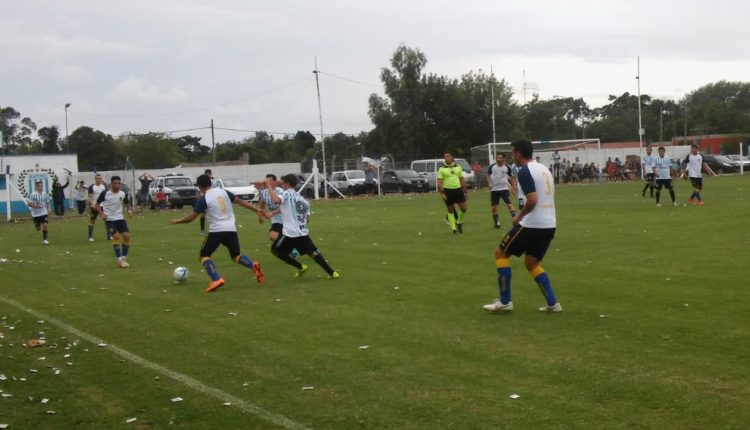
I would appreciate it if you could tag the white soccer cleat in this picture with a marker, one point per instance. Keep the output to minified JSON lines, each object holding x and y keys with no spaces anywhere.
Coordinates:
{"x":658,"y":205}
{"x":45,"y":242}
{"x":556,"y":308}
{"x":91,"y":239}
{"x":674,"y":203}
{"x":497,"y":306}
{"x":122,"y":263}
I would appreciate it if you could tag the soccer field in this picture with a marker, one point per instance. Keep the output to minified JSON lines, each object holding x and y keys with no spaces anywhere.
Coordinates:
{"x":655,"y":332}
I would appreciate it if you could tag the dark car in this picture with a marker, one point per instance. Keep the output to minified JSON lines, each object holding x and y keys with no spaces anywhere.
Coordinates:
{"x":721,"y":164}
{"x":403,"y":181}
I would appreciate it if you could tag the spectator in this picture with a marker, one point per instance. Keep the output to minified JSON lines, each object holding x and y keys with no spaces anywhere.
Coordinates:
{"x":477,"y":169}
{"x":145,"y":180}
{"x":58,"y":196}
{"x":161,"y":199}
{"x":369,"y":179}
{"x":81,"y":193}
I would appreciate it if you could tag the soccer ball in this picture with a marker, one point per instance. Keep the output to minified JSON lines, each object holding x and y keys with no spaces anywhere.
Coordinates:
{"x":181,"y":274}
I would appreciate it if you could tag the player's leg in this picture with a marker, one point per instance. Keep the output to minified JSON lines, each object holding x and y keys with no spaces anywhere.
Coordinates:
{"x":210,"y":243}
{"x":281,"y":249}
{"x":646,"y":187}
{"x":308,"y":247}
{"x":43,"y":224}
{"x":537,"y":246}
{"x":505,"y":195}
{"x":92,"y":219}
{"x":494,"y":201}
{"x":449,"y":203}
{"x":115,"y":235}
{"x":232,"y":242}
{"x":511,"y":245}
{"x":125,"y":233}
{"x":671,"y":191}
{"x":659,"y":184}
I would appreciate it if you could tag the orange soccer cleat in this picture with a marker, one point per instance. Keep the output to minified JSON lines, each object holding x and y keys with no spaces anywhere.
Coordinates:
{"x":214,"y":285}
{"x":259,"y":276}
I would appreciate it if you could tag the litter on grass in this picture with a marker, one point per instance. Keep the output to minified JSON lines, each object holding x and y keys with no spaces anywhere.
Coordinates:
{"x":176,"y":399}
{"x":514,"y":396}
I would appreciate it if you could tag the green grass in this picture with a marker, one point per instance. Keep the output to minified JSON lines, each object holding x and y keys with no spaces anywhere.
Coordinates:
{"x":672,"y":353}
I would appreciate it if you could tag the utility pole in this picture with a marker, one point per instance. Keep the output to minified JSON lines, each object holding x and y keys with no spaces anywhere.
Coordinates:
{"x":213,"y":143}
{"x":492,"y":95}
{"x":322,"y":136}
{"x":640,"y":124}
{"x":67,"y":140}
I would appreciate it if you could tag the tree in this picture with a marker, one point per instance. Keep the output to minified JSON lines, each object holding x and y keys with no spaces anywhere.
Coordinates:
{"x":50,"y":136}
{"x":148,"y":151}
{"x":95,"y":149}
{"x":721,"y":107}
{"x":191,"y":150}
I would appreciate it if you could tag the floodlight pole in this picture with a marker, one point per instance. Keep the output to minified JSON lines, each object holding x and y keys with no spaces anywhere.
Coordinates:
{"x":67,"y":137}
{"x":320,"y":118}
{"x":492,"y":97}
{"x":640,"y":125}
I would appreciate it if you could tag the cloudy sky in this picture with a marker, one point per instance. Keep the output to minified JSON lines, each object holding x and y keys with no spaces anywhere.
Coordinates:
{"x":147,"y":65}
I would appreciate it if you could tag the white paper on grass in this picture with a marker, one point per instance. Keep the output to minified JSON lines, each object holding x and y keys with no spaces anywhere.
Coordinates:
{"x":131,"y":420}
{"x":514,"y":396}
{"x":176,"y":399}
{"x":308,"y":388}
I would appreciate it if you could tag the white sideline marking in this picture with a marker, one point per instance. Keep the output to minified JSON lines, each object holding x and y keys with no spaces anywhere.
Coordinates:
{"x":193,"y":383}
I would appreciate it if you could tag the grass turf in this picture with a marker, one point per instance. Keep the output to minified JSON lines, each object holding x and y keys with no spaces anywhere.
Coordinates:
{"x":654,"y":333}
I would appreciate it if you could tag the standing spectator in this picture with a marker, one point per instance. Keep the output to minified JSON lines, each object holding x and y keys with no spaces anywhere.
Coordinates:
{"x":38,"y":202}
{"x":58,"y":196}
{"x":161,"y":199}
{"x":555,"y":164}
{"x":109,"y":205}
{"x":80,"y":192}
{"x":477,"y":169}
{"x":145,"y":180}
{"x":369,"y":179}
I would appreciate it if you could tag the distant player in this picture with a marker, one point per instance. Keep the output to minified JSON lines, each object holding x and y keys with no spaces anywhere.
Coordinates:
{"x":663,"y":174}
{"x":648,"y":170}
{"x":38,"y":203}
{"x":208,"y":173}
{"x":217,"y":205}
{"x":532,"y":232}
{"x":95,"y":190}
{"x":500,"y":179}
{"x":452,"y":187}
{"x":514,"y":168}
{"x":109,"y":204}
{"x":273,"y":211}
{"x":693,"y":166}
{"x":295,"y":214}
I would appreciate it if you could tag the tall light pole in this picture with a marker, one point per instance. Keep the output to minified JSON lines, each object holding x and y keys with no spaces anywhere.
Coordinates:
{"x":67,"y":137}
{"x":641,"y":131}
{"x":322,"y":136}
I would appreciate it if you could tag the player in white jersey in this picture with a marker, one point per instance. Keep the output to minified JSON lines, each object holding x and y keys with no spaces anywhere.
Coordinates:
{"x":95,"y":190}
{"x":38,"y":203}
{"x":693,"y":166}
{"x":273,"y":211}
{"x":532,"y":232}
{"x":663,"y":174}
{"x":295,"y":214}
{"x":500,"y":179}
{"x":109,"y":205}
{"x":217,"y":205}
{"x":648,"y":170}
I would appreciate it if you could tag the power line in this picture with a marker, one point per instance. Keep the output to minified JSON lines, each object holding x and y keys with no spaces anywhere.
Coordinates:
{"x":354,"y":81}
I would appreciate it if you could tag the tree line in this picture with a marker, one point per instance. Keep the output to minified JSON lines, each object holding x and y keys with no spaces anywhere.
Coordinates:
{"x":420,"y":115}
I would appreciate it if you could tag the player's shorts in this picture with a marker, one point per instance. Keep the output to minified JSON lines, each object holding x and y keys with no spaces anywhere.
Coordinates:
{"x":119,"y":226}
{"x":666,"y":183}
{"x":495,"y":197}
{"x":93,"y":213}
{"x":530,"y":241}
{"x":277,"y":227}
{"x":697,"y":183}
{"x":284,"y":245}
{"x":453,"y":196}
{"x":39,"y":220}
{"x":216,"y":238}
{"x":650,"y":177}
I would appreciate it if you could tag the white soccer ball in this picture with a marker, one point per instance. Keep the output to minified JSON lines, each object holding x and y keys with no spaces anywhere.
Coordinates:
{"x":181,"y":274}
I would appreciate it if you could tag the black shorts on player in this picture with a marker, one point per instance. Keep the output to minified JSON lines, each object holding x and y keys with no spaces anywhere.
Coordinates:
{"x":666,"y":183}
{"x":39,"y":220}
{"x":530,"y":241}
{"x":454,"y":196}
{"x":226,"y":238}
{"x":277,"y":227}
{"x":119,"y":226}
{"x":650,"y":177}
{"x":285,"y":245}
{"x":495,"y":197}
{"x":697,"y":183}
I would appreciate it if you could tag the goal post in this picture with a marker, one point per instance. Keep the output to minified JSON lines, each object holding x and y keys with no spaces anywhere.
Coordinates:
{"x":587,"y":150}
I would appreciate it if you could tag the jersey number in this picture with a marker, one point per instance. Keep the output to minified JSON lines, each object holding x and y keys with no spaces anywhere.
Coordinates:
{"x":547,"y":184}
{"x":222,"y":204}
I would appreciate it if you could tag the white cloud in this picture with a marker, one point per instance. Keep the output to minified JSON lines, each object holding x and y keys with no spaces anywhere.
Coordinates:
{"x":73,"y":73}
{"x":141,"y":90}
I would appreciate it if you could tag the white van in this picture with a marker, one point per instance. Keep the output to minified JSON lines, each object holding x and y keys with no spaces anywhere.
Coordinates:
{"x":428,"y":170}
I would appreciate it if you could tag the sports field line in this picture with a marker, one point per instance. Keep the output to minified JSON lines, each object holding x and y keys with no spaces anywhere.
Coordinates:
{"x":193,"y":383}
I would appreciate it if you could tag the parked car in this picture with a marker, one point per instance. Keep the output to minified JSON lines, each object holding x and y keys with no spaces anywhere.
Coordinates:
{"x":403,"y":181}
{"x":179,"y":189}
{"x":721,"y":164}
{"x":742,"y":160}
{"x":428,"y":170}
{"x":351,"y":182}
{"x":239,"y":187}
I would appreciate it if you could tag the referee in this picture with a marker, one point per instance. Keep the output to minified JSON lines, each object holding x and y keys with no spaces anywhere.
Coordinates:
{"x":452,"y":188}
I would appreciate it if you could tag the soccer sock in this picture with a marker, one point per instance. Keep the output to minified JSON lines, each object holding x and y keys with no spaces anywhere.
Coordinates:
{"x":324,"y":264}
{"x":245,"y":261}
{"x":455,"y":215}
{"x":658,"y":195}
{"x":290,"y":261}
{"x":671,"y":194}
{"x":513,"y":213}
{"x":44,"y":234}
{"x":644,"y":190}
{"x":461,"y":215}
{"x":125,"y":248}
{"x":203,"y":223}
{"x":452,"y":221}
{"x":208,"y":264}
{"x":503,"y":279}
{"x":91,"y":231}
{"x":494,"y":218}
{"x":117,"y":250}
{"x":698,"y":196}
{"x":545,"y":286}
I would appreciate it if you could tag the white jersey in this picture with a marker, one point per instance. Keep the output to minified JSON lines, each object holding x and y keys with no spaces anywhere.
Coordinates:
{"x":519,"y":192}
{"x":111,"y":204}
{"x":694,"y":165}
{"x":95,"y":191}
{"x":535,"y":178}
{"x":217,"y":205}
{"x":662,"y":164}
{"x":499,"y":176}
{"x":649,"y":161}
{"x":265,"y":197}
{"x":39,"y":199}
{"x":294,"y":212}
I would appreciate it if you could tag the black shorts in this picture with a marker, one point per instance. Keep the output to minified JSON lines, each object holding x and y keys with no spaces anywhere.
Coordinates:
{"x":495,"y":197}
{"x":284,"y":245}
{"x":453,"y":196}
{"x":119,"y":226}
{"x":277,"y":227}
{"x":39,"y":220}
{"x":226,"y":238}
{"x":530,"y":241}
{"x":666,"y":183}
{"x":650,"y":177}
{"x":697,"y":183}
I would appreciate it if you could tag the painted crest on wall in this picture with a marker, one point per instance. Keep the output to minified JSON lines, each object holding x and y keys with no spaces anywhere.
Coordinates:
{"x":28,"y":177}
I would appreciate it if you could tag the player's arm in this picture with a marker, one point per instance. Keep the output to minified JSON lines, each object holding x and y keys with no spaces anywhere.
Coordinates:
{"x":489,"y":179}
{"x":90,"y":196}
{"x":248,"y":205}
{"x":708,"y":170}
{"x":128,"y":204}
{"x":463,"y":184}
{"x":529,"y":190}
{"x":272,"y":193}
{"x":98,"y":206}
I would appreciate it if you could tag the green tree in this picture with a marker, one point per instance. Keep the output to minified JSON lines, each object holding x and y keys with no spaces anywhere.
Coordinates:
{"x":720,"y":107}
{"x":149,"y":151}
{"x":95,"y":149}
{"x":191,"y":150}
{"x":50,"y":136}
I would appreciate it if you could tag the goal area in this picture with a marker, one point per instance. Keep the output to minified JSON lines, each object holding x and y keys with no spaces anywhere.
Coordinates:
{"x":586,"y":150}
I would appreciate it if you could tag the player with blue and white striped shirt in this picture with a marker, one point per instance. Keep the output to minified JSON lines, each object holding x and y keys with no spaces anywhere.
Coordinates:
{"x":648,"y":170}
{"x":38,"y":203}
{"x":663,"y":172}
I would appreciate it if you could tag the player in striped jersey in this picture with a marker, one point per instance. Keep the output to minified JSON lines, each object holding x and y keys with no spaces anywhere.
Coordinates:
{"x":693,"y":166}
{"x":648,"y":170}
{"x":663,"y":174}
{"x":38,"y":203}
